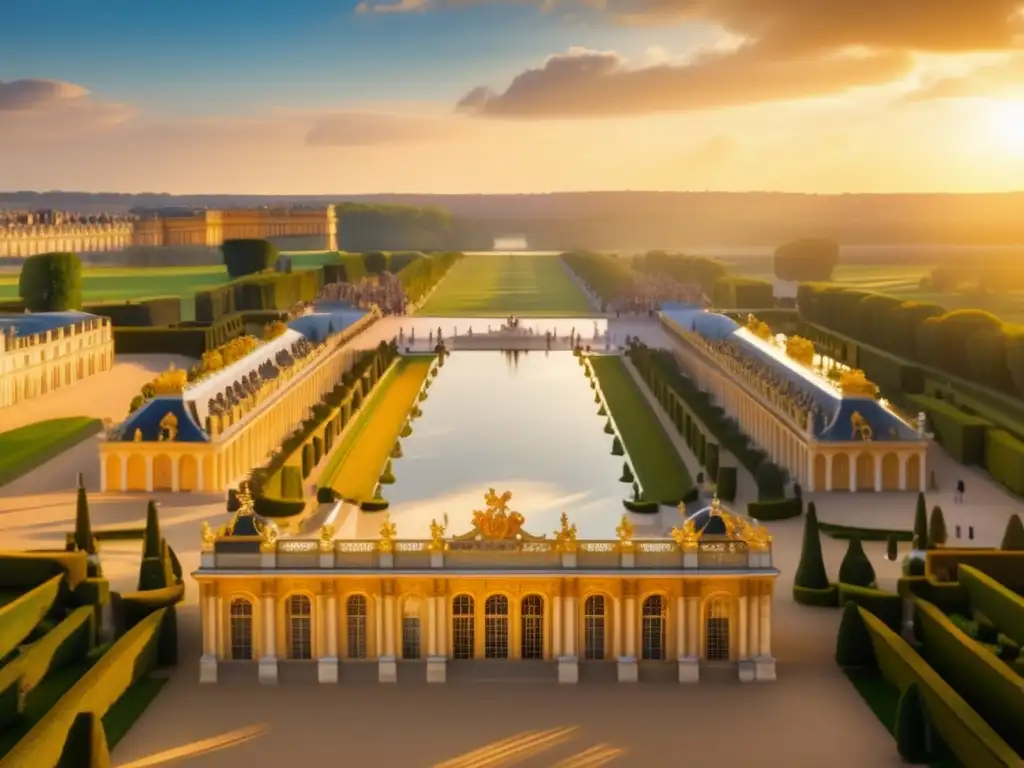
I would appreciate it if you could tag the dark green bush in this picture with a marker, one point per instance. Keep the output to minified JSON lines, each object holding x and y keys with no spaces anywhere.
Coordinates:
{"x":51,"y":282}
{"x":853,"y":643}
{"x":779,"y":509}
{"x":771,"y":482}
{"x":248,"y":256}
{"x":308,"y":459}
{"x":817,"y":598}
{"x":912,"y":727}
{"x":726,"y":483}
{"x":856,"y":568}
{"x":291,"y":482}
{"x":641,"y":507}
{"x":810,"y":572}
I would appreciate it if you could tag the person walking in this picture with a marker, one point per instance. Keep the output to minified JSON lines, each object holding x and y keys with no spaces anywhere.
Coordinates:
{"x":958,"y":497}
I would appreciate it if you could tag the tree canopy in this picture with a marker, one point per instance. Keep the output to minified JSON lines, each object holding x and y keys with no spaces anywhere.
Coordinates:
{"x":807,"y":259}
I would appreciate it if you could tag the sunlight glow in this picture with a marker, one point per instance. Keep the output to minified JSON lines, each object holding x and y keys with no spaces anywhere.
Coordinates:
{"x":1006,"y":119}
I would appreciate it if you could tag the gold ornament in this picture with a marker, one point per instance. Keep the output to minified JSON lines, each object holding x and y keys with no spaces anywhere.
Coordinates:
{"x":268,"y":537}
{"x":565,"y":537}
{"x":861,"y":430}
{"x":437,"y":542}
{"x":168,"y":426}
{"x":325,"y":539}
{"x":387,"y":535}
{"x":625,"y":533}
{"x":498,"y":521}
{"x":209,"y":537}
{"x":855,"y":384}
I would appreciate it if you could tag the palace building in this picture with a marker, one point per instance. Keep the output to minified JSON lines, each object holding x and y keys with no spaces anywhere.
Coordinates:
{"x":45,"y":351}
{"x":412,"y":609}
{"x":826,"y":427}
{"x":206,"y":434}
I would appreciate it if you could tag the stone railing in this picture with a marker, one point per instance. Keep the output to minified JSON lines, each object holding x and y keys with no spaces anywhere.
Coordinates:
{"x":244,"y":553}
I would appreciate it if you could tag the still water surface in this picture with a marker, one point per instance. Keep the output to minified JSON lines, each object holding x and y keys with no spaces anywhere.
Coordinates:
{"x":526,"y":424}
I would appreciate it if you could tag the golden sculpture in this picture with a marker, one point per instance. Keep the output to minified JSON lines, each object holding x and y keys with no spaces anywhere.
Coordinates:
{"x":437,"y":542}
{"x":244,"y":496}
{"x":209,"y":537}
{"x":268,"y":537}
{"x":170,"y":382}
{"x":565,"y":537}
{"x":625,"y":533}
{"x":855,"y":384}
{"x":137,"y":436}
{"x":860,"y":428}
{"x":272,"y":330}
{"x":169,"y":427}
{"x":801,"y":350}
{"x":387,"y":535}
{"x":498,"y":521}
{"x":325,"y":538}
{"x":758,"y":328}
{"x":687,"y":537}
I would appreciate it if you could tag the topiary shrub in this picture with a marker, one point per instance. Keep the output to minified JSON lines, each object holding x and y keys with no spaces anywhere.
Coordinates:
{"x":601,"y":411}
{"x":817,"y":598}
{"x":853,"y":643}
{"x":84,"y":540}
{"x":387,"y":477}
{"x":920,"y":524}
{"x":318,"y":450}
{"x":152,"y":541}
{"x":396,"y":451}
{"x":627,"y":474}
{"x":1013,"y":536}
{"x":406,"y":430}
{"x":415,"y":413}
{"x":377,"y":504}
{"x":86,"y":743}
{"x":617,"y":447}
{"x":771,"y":482}
{"x":892,"y":548}
{"x":912,"y":729}
{"x":597,"y":397}
{"x":248,"y":256}
{"x":51,"y":282}
{"x":608,"y":428}
{"x":325,"y":495}
{"x":726,"y":483}
{"x":856,"y":568}
{"x":308,"y":459}
{"x":291,"y":482}
{"x":641,"y":506}
{"x":811,"y":572}
{"x":937,"y":534}
{"x":153,"y":574}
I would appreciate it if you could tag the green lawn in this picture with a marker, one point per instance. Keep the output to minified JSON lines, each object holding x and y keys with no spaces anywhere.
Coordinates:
{"x":25,"y":448}
{"x":505,"y":284}
{"x":655,"y":460}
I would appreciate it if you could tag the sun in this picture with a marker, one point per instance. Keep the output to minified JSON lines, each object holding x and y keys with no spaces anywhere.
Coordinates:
{"x":1007,"y":121}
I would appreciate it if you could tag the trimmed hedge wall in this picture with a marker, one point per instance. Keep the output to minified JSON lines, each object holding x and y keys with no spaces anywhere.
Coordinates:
{"x":973,"y":741}
{"x":887,"y":606}
{"x":1002,"y":606}
{"x":817,"y":598}
{"x":20,"y":617}
{"x":27,"y":570}
{"x":726,"y":485}
{"x":777,"y":509}
{"x":264,"y":291}
{"x":734,"y":292}
{"x":159,"y":311}
{"x":987,"y":684}
{"x":1004,"y":459}
{"x":189,"y":339}
{"x":961,"y":434}
{"x":127,"y":661}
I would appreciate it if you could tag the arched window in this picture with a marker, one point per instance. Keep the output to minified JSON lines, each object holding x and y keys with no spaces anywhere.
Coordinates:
{"x":496,"y":627}
{"x":463,"y":627}
{"x":653,"y":629}
{"x":411,"y":628}
{"x":532,"y":609}
{"x":593,"y":628}
{"x":355,"y":618}
{"x":300,"y":627}
{"x":716,"y":628}
{"x":241,"y":629}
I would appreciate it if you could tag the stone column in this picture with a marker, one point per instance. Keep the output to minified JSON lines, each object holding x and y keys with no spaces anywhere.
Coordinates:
{"x":124,"y":472}
{"x":209,"y":617}
{"x":747,"y":669}
{"x":828,"y":472}
{"x":903,"y":472}
{"x":200,"y":480}
{"x":628,"y":669}
{"x":268,"y":661}
{"x":765,"y":662}
{"x":175,"y":477}
{"x":557,"y":634}
{"x":687,"y":657}
{"x":103,"y":470}
{"x":437,"y":659}
{"x":878,"y":473}
{"x":149,"y":473}
{"x":922,"y":482}
{"x":327,"y":664}
{"x":853,"y":474}
{"x":568,"y":664}
{"x":387,"y":665}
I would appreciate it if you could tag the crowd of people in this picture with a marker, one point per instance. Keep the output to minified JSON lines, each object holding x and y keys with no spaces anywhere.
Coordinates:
{"x":383,"y":291}
{"x":650,"y":291}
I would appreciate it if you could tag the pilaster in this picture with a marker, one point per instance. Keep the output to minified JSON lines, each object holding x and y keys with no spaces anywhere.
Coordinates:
{"x":327,"y":664}
{"x":268,"y":623}
{"x":628,"y":669}
{"x":209,"y":617}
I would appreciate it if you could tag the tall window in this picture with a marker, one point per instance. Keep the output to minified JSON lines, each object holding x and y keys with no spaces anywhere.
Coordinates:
{"x":300,"y":627}
{"x":463,"y":627}
{"x":593,"y":628}
{"x":411,"y":629}
{"x":532,"y":609}
{"x":496,"y":627}
{"x":355,"y":618}
{"x":241,"y":629}
{"x":653,"y":629}
{"x":716,"y":629}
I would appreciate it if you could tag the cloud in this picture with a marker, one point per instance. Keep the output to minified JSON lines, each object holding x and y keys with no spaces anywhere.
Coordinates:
{"x":585,"y":83}
{"x":33,"y":94}
{"x":361,"y":129}
{"x":989,"y":80}
{"x":398,"y":6}
{"x":40,"y":110}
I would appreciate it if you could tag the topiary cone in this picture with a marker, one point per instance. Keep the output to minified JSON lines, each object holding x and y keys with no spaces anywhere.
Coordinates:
{"x":627,"y":474}
{"x":892,"y":548}
{"x":921,"y":523}
{"x":937,"y":534}
{"x":601,"y":411}
{"x":912,"y":727}
{"x":396,"y":451}
{"x":617,"y":447}
{"x":1013,"y":536}
{"x":853,"y":643}
{"x":608,"y":428}
{"x":151,"y":538}
{"x":856,"y":568}
{"x":84,"y":540}
{"x":811,"y":572}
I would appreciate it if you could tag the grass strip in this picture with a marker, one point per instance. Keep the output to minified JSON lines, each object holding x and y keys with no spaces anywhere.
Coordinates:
{"x":25,"y":448}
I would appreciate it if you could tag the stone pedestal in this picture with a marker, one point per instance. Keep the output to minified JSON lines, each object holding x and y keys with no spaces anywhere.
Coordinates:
{"x":327,"y":670}
{"x":387,"y":669}
{"x":747,"y":670}
{"x":208,"y":669}
{"x":628,"y":670}
{"x":437,"y":669}
{"x":764,"y":669}
{"x":268,"y":670}
{"x":436,"y":560}
{"x":689,"y":669}
{"x":568,"y":670}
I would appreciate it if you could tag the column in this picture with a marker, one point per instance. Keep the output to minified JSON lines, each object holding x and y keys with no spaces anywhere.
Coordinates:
{"x":200,"y":481}
{"x":922,"y":481}
{"x":753,"y":621}
{"x":828,"y":472}
{"x":680,"y":626}
{"x":617,"y":646}
{"x":556,"y":625}
{"x":437,"y":653}
{"x":741,"y":629}
{"x":208,"y":617}
{"x":387,"y":665}
{"x":568,"y":665}
{"x":431,"y":627}
{"x":149,"y":473}
{"x":903,"y":472}
{"x":853,"y":474}
{"x":175,"y":463}
{"x":628,"y":671}
{"x":878,"y":473}
{"x":327,"y":664}
{"x":268,"y":662}
{"x":810,"y":472}
{"x":693,"y":626}
{"x":103,"y":472}
{"x":765,"y":664}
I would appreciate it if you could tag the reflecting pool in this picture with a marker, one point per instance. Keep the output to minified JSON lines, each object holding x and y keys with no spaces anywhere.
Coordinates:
{"x":524,"y":422}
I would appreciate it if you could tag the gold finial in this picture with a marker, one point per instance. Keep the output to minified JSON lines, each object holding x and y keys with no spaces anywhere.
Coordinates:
{"x":209,"y":537}
{"x":758,"y":327}
{"x":137,"y":437}
{"x":169,"y":426}
{"x":245,"y":502}
{"x":171,"y":382}
{"x":387,"y":535}
{"x":437,"y":542}
{"x":565,"y":537}
{"x":325,"y":539}
{"x":268,"y":537}
{"x":498,"y":521}
{"x":625,"y":533}
{"x":855,"y":384}
{"x":758,"y":538}
{"x":716,"y":505}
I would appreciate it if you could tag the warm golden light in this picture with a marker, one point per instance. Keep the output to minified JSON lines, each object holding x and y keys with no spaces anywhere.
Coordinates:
{"x":1007,"y":121}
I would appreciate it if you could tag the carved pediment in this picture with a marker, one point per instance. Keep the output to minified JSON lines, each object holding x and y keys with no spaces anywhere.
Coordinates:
{"x":497,"y":523}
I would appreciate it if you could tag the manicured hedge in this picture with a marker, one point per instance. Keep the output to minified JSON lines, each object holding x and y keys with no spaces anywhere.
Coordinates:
{"x":1002,"y":606}
{"x":20,"y":617}
{"x":248,"y":256}
{"x":817,"y":598}
{"x":422,"y":273}
{"x":27,"y":570}
{"x":188,"y":339}
{"x":887,"y":606}
{"x":153,"y":312}
{"x":986,"y":683}
{"x":726,"y":487}
{"x":734,"y":292}
{"x":1002,"y":565}
{"x":264,"y":291}
{"x":1004,"y":459}
{"x":962,"y":435}
{"x":973,"y":741}
{"x":609,"y":277}
{"x":777,"y":509}
{"x":51,"y":282}
{"x":129,"y":659}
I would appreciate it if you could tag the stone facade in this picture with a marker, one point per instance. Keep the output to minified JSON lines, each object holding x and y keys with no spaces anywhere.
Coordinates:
{"x":66,"y":348}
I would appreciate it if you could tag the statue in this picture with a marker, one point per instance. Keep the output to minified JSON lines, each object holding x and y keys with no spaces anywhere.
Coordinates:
{"x":209,"y":537}
{"x":325,"y":539}
{"x":498,"y":521}
{"x":137,"y":437}
{"x":437,"y":542}
{"x":268,"y":537}
{"x":625,"y":533}
{"x":169,"y":427}
{"x":171,"y":382}
{"x":801,"y":350}
{"x":855,"y":384}
{"x":565,"y":537}
{"x":387,"y":535}
{"x":687,"y":537}
{"x":860,"y":428}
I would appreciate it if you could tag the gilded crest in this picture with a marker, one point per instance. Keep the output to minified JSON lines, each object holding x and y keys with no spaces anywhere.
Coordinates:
{"x":686,"y":537}
{"x":169,"y":427}
{"x":498,"y":521}
{"x":269,"y":535}
{"x":209,"y":537}
{"x":565,"y":536}
{"x":325,"y":538}
{"x":437,"y":542}
{"x":859,"y":427}
{"x":387,"y":535}
{"x":625,"y":532}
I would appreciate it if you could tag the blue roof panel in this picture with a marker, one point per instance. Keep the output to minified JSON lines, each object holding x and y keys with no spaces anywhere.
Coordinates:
{"x":29,"y":323}
{"x":329,"y":319}
{"x":149,"y":416}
